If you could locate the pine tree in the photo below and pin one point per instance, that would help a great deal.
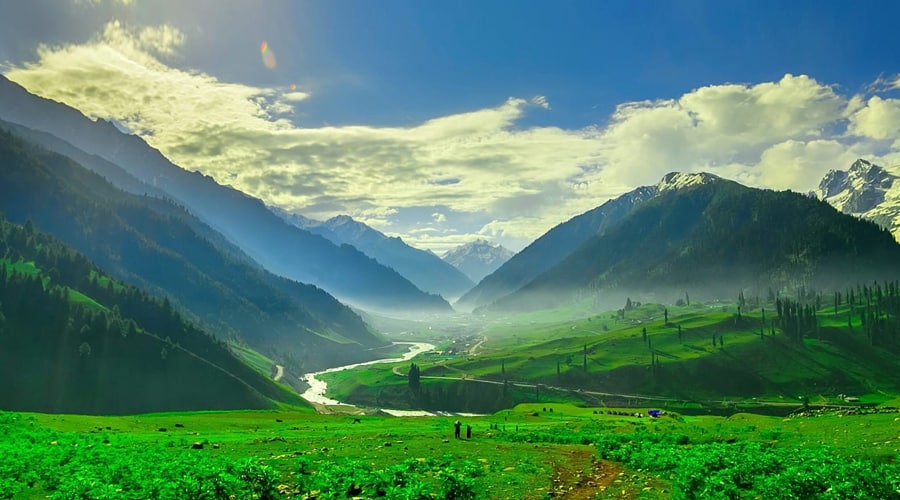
(414, 377)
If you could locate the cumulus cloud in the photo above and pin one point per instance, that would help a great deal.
(717, 125)
(879, 119)
(507, 182)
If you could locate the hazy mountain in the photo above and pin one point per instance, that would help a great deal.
(151, 243)
(280, 247)
(478, 258)
(865, 190)
(424, 269)
(552, 247)
(714, 237)
(74, 340)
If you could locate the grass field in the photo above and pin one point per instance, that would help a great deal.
(534, 451)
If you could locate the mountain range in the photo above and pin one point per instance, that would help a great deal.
(478, 258)
(698, 232)
(282, 248)
(157, 246)
(424, 269)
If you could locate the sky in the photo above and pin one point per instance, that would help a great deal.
(444, 122)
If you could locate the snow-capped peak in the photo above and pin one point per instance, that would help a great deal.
(478, 258)
(859, 189)
(680, 180)
(866, 190)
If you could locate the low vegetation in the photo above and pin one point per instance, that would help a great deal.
(530, 452)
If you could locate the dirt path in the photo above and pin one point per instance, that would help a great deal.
(474, 350)
(583, 476)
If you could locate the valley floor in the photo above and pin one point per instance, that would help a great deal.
(531, 451)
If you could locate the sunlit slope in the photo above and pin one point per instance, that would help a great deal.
(749, 359)
(74, 340)
(704, 353)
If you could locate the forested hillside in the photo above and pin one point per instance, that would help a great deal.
(74, 340)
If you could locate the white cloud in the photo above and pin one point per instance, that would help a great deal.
(540, 101)
(163, 40)
(879, 119)
(513, 183)
(716, 125)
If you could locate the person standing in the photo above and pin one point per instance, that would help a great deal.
(456, 427)
(468, 431)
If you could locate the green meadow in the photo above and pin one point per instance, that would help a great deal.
(530, 451)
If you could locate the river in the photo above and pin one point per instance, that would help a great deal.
(317, 388)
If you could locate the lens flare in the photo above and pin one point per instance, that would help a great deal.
(268, 57)
(293, 87)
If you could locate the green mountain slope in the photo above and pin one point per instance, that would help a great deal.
(714, 239)
(74, 340)
(150, 243)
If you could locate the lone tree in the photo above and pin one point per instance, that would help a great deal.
(414, 376)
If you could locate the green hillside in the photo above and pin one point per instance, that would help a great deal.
(765, 353)
(74, 340)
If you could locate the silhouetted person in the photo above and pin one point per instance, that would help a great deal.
(468, 432)
(456, 427)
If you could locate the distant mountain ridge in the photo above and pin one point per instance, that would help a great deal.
(478, 258)
(424, 269)
(280, 247)
(865, 190)
(717, 236)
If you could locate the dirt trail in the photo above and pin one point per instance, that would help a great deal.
(583, 476)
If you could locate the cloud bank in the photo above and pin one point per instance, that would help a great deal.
(479, 173)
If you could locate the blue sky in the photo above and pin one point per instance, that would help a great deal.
(444, 122)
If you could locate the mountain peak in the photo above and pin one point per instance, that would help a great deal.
(681, 180)
(340, 220)
(477, 258)
(857, 190)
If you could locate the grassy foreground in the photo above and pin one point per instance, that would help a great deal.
(531, 451)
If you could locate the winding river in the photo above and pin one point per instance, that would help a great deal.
(317, 388)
